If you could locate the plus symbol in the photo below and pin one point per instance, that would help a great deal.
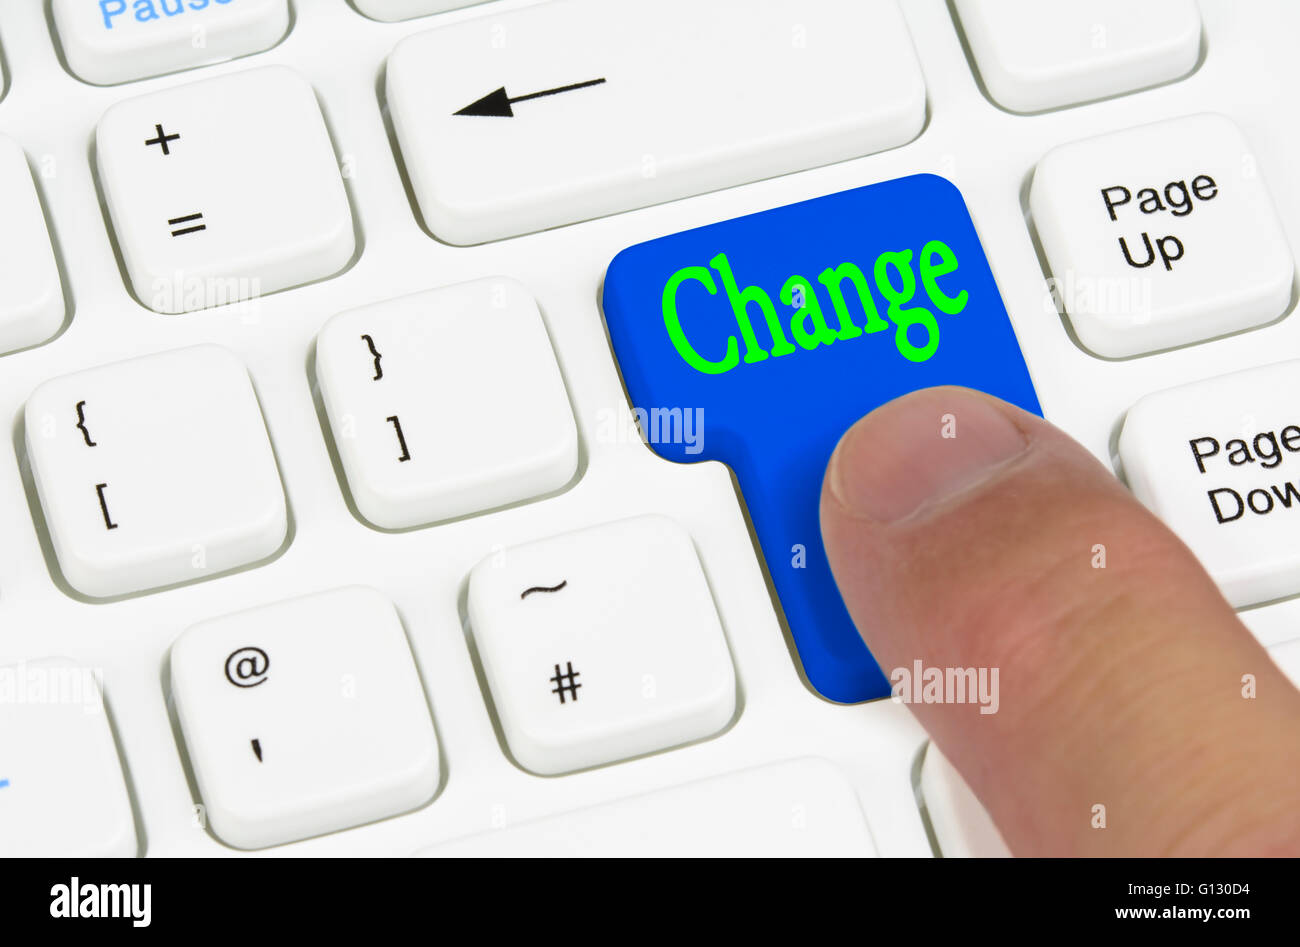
(162, 139)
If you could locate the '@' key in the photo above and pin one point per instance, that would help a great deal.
(773, 333)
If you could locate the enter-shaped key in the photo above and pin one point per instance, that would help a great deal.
(1219, 461)
(759, 341)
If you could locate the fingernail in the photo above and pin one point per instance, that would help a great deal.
(919, 450)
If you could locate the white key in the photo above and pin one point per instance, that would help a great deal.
(962, 827)
(675, 98)
(62, 793)
(1034, 55)
(1219, 461)
(224, 189)
(1287, 657)
(446, 403)
(391, 10)
(601, 644)
(304, 717)
(1161, 235)
(31, 297)
(155, 471)
(111, 41)
(798, 809)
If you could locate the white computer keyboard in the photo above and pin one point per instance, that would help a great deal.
(252, 273)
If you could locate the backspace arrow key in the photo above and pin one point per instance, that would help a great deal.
(499, 104)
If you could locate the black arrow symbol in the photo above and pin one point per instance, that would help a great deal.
(498, 104)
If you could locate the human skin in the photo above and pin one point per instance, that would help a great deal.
(1122, 686)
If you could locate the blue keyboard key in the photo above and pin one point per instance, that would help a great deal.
(778, 331)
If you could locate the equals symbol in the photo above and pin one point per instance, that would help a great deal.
(188, 218)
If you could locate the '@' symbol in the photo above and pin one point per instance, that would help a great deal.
(247, 667)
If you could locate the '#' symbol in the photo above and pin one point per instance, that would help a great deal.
(560, 679)
(182, 231)
(247, 667)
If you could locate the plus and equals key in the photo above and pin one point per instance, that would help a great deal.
(163, 140)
